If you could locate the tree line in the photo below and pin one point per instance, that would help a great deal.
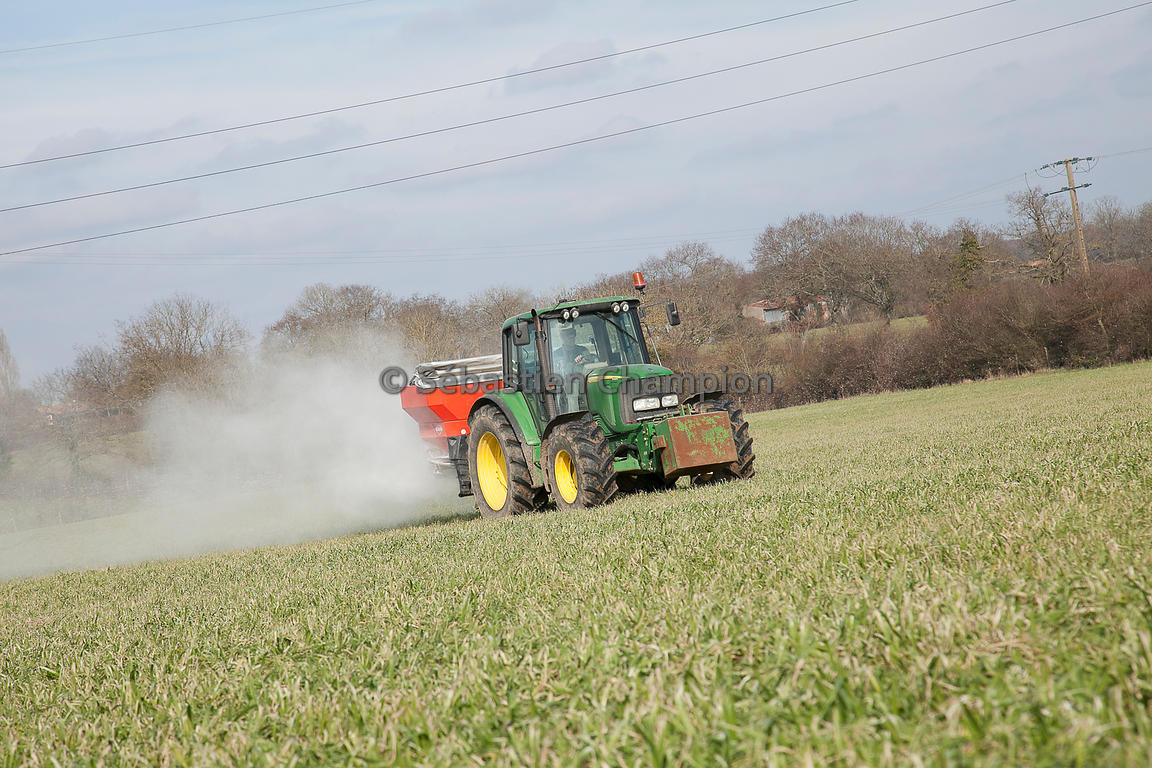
(856, 267)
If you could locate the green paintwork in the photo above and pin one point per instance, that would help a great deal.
(518, 406)
(604, 392)
(626, 464)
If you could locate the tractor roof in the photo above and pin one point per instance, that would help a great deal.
(589, 305)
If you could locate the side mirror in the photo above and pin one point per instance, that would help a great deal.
(521, 333)
(673, 313)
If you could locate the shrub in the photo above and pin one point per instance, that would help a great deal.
(1098, 318)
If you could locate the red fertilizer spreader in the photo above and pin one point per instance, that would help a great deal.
(440, 396)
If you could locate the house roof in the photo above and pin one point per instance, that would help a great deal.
(768, 304)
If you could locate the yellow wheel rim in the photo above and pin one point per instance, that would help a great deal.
(492, 471)
(565, 473)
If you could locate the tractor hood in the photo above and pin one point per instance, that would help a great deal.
(611, 376)
(612, 389)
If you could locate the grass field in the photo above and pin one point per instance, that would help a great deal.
(957, 576)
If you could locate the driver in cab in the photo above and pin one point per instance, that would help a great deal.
(569, 360)
(570, 355)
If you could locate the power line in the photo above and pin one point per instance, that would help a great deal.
(346, 261)
(979, 205)
(415, 94)
(533, 247)
(929, 209)
(127, 35)
(577, 142)
(388, 256)
(926, 209)
(500, 118)
(1126, 152)
(378, 256)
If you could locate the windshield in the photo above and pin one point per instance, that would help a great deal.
(592, 341)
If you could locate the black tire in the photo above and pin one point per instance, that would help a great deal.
(742, 468)
(591, 465)
(519, 496)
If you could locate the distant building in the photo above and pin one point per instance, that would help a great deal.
(781, 312)
(767, 311)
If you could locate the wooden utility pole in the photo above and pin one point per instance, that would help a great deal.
(1076, 215)
(1071, 190)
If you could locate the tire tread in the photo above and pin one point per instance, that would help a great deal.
(523, 496)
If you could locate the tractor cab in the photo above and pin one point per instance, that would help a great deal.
(551, 356)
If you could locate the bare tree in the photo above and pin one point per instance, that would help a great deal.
(324, 306)
(52, 388)
(1108, 227)
(1142, 232)
(323, 317)
(9, 371)
(173, 340)
(486, 312)
(1043, 226)
(875, 257)
(793, 260)
(705, 286)
(9, 390)
(618, 284)
(854, 259)
(432, 327)
(793, 241)
(98, 376)
(18, 416)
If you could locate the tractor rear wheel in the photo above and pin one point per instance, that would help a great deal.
(742, 468)
(499, 473)
(578, 460)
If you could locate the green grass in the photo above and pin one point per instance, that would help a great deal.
(958, 576)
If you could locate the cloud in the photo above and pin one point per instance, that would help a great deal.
(562, 54)
(479, 13)
(89, 139)
(1133, 82)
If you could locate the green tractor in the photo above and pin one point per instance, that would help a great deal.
(577, 412)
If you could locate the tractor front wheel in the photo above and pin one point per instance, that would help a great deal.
(500, 476)
(579, 463)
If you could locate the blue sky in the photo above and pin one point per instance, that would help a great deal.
(884, 146)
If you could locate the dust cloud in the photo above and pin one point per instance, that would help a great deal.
(281, 449)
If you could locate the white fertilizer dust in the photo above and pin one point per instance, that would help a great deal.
(284, 449)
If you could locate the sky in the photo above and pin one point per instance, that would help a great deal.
(905, 143)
